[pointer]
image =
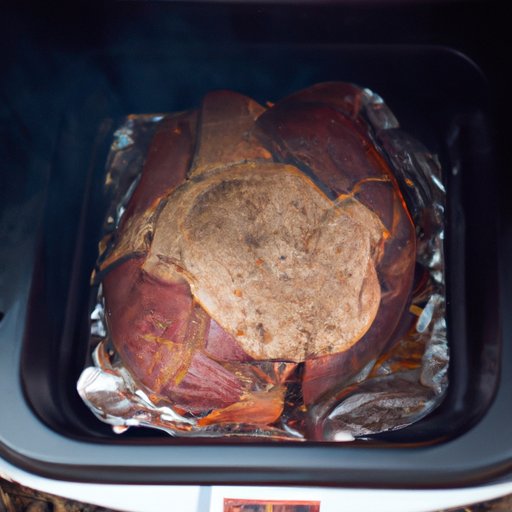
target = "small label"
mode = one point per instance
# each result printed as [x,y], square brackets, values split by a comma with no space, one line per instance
[237,505]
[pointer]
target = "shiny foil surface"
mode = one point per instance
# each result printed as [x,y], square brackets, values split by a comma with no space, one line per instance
[385,388]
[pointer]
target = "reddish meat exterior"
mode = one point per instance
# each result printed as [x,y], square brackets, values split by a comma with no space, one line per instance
[311,267]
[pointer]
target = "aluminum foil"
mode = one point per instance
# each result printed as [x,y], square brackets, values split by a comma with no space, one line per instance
[400,387]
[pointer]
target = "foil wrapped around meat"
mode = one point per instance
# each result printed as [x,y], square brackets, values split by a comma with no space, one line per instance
[270,271]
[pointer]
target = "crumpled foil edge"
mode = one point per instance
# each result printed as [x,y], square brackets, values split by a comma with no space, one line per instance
[388,395]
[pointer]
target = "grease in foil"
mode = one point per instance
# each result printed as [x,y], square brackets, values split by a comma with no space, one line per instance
[400,387]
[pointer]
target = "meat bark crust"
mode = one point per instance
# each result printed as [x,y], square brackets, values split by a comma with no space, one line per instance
[286,271]
[290,265]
